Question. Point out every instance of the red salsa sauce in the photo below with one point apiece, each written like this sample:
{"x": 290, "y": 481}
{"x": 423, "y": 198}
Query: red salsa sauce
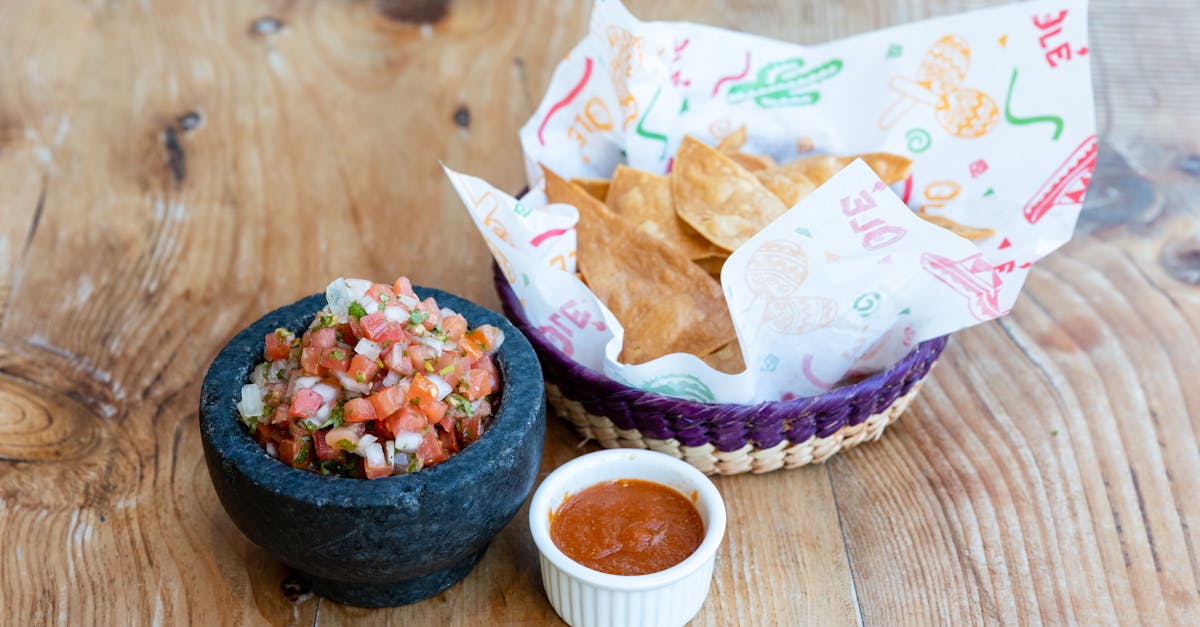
{"x": 627, "y": 527}
{"x": 381, "y": 383}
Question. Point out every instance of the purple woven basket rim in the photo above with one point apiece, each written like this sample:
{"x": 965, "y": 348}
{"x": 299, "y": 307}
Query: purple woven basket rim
{"x": 916, "y": 362}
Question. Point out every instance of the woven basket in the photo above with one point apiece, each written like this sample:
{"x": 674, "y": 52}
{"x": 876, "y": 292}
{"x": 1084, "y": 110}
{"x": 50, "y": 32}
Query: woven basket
{"x": 724, "y": 438}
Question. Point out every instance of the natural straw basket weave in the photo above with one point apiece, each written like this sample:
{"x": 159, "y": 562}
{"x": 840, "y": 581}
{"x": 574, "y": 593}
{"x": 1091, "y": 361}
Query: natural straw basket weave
{"x": 721, "y": 438}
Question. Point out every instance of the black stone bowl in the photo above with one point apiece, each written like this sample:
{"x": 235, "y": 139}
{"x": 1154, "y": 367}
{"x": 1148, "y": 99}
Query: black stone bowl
{"x": 388, "y": 541}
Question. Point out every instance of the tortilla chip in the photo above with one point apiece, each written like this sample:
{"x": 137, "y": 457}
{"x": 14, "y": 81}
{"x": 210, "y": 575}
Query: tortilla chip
{"x": 712, "y": 265}
{"x": 733, "y": 142}
{"x": 961, "y": 230}
{"x": 644, "y": 199}
{"x": 666, "y": 303}
{"x": 820, "y": 168}
{"x": 596, "y": 188}
{"x": 727, "y": 359}
{"x": 751, "y": 162}
{"x": 718, "y": 197}
{"x": 789, "y": 186}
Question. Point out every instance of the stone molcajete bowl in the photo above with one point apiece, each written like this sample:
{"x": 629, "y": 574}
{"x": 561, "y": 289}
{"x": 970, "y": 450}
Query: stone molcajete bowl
{"x": 387, "y": 541}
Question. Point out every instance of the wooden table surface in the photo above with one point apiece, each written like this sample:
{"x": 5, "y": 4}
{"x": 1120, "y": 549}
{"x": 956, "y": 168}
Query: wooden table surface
{"x": 171, "y": 170}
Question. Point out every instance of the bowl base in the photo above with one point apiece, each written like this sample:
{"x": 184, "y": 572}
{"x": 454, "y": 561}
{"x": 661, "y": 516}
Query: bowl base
{"x": 394, "y": 593}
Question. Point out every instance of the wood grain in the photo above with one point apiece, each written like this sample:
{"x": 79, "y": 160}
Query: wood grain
{"x": 171, "y": 170}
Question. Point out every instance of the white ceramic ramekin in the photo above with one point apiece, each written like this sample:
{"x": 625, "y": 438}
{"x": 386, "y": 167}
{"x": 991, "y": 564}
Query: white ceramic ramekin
{"x": 588, "y": 598}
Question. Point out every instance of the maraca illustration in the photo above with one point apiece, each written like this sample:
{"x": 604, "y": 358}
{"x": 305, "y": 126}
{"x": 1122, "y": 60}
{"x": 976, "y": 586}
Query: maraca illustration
{"x": 774, "y": 273}
{"x": 785, "y": 83}
{"x": 963, "y": 111}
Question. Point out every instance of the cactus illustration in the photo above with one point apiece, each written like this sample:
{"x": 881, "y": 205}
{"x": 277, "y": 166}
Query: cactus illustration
{"x": 785, "y": 84}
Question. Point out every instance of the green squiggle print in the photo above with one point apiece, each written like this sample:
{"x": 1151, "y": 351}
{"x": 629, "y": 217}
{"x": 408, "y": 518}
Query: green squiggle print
{"x": 1037, "y": 119}
{"x": 785, "y": 84}
{"x": 641, "y": 130}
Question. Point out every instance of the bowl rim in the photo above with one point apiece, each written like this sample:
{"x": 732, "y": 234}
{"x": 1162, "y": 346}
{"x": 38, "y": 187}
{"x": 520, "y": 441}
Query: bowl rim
{"x": 225, "y": 436}
{"x": 708, "y": 498}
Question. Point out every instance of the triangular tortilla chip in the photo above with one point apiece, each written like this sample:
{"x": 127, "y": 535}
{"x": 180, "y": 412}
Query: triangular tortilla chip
{"x": 727, "y": 359}
{"x": 820, "y": 168}
{"x": 666, "y": 303}
{"x": 959, "y": 229}
{"x": 790, "y": 187}
{"x": 644, "y": 199}
{"x": 733, "y": 142}
{"x": 712, "y": 265}
{"x": 718, "y": 197}
{"x": 596, "y": 188}
{"x": 753, "y": 163}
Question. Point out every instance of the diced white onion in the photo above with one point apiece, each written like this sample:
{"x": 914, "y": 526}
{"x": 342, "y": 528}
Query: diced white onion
{"x": 352, "y": 384}
{"x": 390, "y": 379}
{"x": 323, "y": 412}
{"x": 369, "y": 305}
{"x": 338, "y": 296}
{"x": 251, "y": 405}
{"x": 306, "y": 382}
{"x": 373, "y": 454}
{"x": 368, "y": 349}
{"x": 358, "y": 288}
{"x": 367, "y": 440}
{"x": 326, "y": 391}
{"x": 497, "y": 342}
{"x": 395, "y": 314}
{"x": 272, "y": 450}
{"x": 400, "y": 461}
{"x": 444, "y": 388}
{"x": 446, "y": 313}
{"x": 316, "y": 420}
{"x": 277, "y": 367}
{"x": 434, "y": 343}
{"x": 389, "y": 452}
{"x": 258, "y": 376}
{"x": 408, "y": 442}
{"x": 408, "y": 301}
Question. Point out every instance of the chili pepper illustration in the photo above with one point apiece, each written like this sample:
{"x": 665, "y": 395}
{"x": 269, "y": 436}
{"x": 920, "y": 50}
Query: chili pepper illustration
{"x": 964, "y": 277}
{"x": 785, "y": 84}
{"x": 962, "y": 111}
{"x": 1067, "y": 185}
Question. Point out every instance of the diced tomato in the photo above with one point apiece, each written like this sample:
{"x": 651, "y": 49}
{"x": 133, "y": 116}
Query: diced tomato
{"x": 305, "y": 403}
{"x": 434, "y": 411}
{"x": 455, "y": 327}
{"x": 296, "y": 452}
{"x": 486, "y": 363}
{"x": 472, "y": 347}
{"x": 448, "y": 441}
{"x": 322, "y": 338}
{"x": 336, "y": 358}
{"x": 349, "y": 432}
{"x": 479, "y": 384}
{"x": 382, "y": 294}
{"x": 421, "y": 391}
{"x": 373, "y": 325}
{"x": 375, "y": 472}
{"x": 359, "y": 410}
{"x": 396, "y": 359}
{"x": 280, "y": 416}
{"x": 362, "y": 368}
{"x": 310, "y": 360}
{"x": 394, "y": 332}
{"x": 431, "y": 452}
{"x": 433, "y": 314}
{"x": 279, "y": 346}
{"x": 403, "y": 286}
{"x": 386, "y": 401}
{"x": 418, "y": 354}
{"x": 468, "y": 429}
{"x": 452, "y": 366}
{"x": 405, "y": 420}
{"x": 326, "y": 452}
{"x": 356, "y": 332}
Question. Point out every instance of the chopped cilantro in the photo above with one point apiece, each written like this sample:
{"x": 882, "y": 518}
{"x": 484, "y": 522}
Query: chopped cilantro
{"x": 413, "y": 463}
{"x": 428, "y": 366}
{"x": 357, "y": 310}
{"x": 337, "y": 353}
{"x": 447, "y": 370}
{"x": 415, "y": 401}
{"x": 326, "y": 320}
{"x": 251, "y": 423}
{"x": 345, "y": 445}
{"x": 336, "y": 417}
{"x": 379, "y": 362}
{"x": 417, "y": 316}
{"x": 360, "y": 377}
{"x": 383, "y": 299}
{"x": 281, "y": 374}
{"x": 302, "y": 456}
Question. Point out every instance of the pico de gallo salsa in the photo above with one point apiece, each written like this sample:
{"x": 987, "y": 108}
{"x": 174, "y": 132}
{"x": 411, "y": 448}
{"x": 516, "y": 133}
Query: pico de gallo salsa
{"x": 382, "y": 383}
